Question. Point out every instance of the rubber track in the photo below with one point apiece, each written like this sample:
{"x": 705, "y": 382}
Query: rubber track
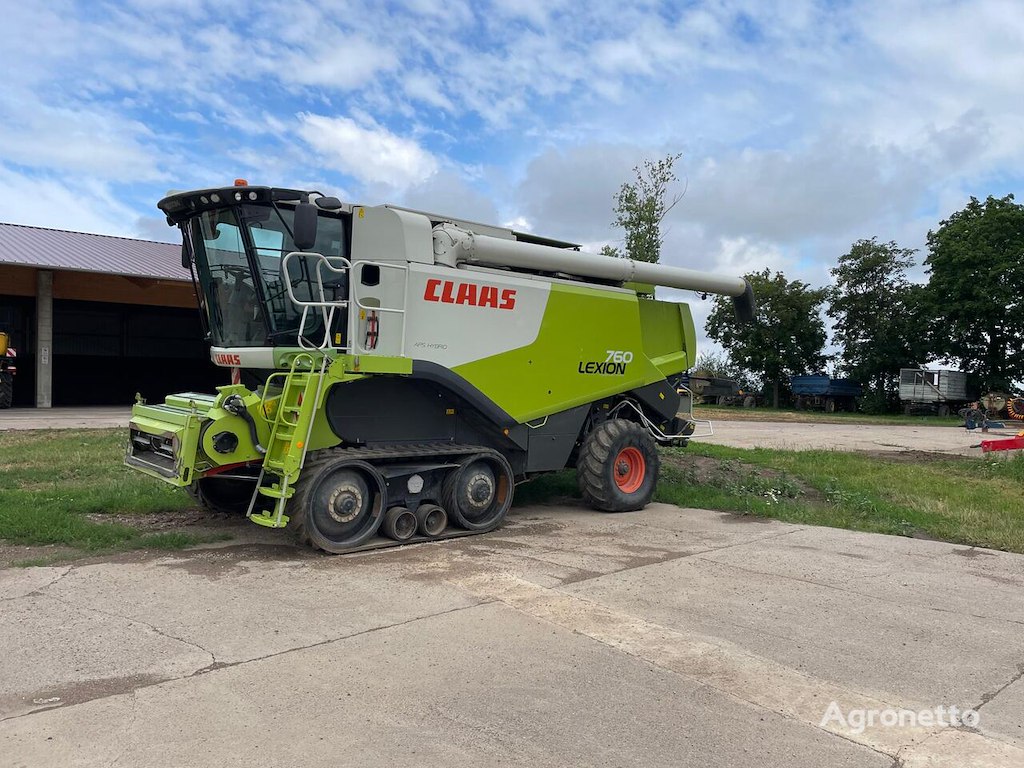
{"x": 385, "y": 454}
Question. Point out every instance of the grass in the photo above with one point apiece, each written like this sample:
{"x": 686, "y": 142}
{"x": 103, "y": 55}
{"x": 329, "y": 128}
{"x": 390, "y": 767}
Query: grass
{"x": 57, "y": 486}
{"x": 733, "y": 413}
{"x": 56, "y": 482}
{"x": 972, "y": 501}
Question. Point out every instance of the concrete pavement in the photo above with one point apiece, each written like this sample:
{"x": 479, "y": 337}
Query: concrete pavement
{"x": 796, "y": 436}
{"x": 96, "y": 417}
{"x": 664, "y": 637}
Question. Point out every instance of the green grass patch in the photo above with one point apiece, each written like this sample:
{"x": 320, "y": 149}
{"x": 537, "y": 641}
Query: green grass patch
{"x": 973, "y": 501}
{"x": 53, "y": 480}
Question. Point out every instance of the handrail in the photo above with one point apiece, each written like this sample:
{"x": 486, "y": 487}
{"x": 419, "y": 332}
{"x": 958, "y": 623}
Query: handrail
{"x": 328, "y": 309}
{"x": 358, "y": 347}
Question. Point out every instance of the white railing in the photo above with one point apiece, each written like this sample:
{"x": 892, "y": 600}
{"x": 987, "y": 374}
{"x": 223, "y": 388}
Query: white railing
{"x": 358, "y": 347}
{"x": 327, "y": 310}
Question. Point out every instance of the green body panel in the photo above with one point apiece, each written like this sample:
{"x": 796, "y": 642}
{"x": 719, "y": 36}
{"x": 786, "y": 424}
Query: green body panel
{"x": 582, "y": 330}
{"x": 670, "y": 340}
{"x": 178, "y": 425}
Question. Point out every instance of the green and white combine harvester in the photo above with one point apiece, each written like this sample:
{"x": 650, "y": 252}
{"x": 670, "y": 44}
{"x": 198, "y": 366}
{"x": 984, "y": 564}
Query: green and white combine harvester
{"x": 398, "y": 372}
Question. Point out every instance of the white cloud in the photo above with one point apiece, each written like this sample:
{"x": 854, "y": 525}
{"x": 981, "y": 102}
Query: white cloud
{"x": 77, "y": 203}
{"x": 343, "y": 62}
{"x": 369, "y": 152}
{"x": 449, "y": 194}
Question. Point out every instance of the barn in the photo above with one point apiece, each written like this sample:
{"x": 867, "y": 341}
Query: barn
{"x": 96, "y": 319}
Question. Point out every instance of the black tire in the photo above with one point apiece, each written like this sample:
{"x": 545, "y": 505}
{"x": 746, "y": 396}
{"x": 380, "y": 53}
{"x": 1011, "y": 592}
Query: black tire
{"x": 618, "y": 467}
{"x": 830, "y": 405}
{"x": 228, "y": 496}
{"x": 338, "y": 504}
{"x": 399, "y": 524}
{"x": 6, "y": 390}
{"x": 799, "y": 405}
{"x": 943, "y": 410}
{"x": 1015, "y": 408}
{"x": 477, "y": 495}
{"x": 431, "y": 520}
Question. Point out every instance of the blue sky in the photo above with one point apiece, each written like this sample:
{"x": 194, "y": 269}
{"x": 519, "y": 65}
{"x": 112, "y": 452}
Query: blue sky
{"x": 803, "y": 125}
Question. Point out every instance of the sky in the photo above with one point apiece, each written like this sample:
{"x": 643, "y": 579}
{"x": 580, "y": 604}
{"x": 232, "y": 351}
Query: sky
{"x": 803, "y": 126}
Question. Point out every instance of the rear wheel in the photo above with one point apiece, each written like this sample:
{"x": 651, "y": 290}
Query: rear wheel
{"x": 339, "y": 504}
{"x": 618, "y": 466}
{"x": 830, "y": 405}
{"x": 6, "y": 390}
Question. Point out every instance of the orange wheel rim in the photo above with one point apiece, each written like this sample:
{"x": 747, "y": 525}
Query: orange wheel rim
{"x": 629, "y": 470}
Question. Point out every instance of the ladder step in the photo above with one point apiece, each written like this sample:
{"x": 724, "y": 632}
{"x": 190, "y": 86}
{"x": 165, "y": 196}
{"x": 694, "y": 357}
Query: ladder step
{"x": 269, "y": 520}
{"x": 275, "y": 492}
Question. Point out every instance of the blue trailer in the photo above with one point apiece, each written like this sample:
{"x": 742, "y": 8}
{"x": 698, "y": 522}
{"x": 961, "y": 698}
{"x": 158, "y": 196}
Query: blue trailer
{"x": 821, "y": 392}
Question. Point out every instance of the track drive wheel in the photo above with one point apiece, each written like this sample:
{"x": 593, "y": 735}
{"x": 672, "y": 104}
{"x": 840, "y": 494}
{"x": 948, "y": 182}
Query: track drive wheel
{"x": 618, "y": 466}
{"x": 478, "y": 493}
{"x": 338, "y": 504}
{"x": 225, "y": 495}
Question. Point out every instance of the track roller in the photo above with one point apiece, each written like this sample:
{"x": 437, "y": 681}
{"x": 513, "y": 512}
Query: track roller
{"x": 399, "y": 524}
{"x": 478, "y": 493}
{"x": 338, "y": 503}
{"x": 431, "y": 520}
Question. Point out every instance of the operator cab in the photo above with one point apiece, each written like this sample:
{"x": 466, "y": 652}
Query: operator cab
{"x": 234, "y": 240}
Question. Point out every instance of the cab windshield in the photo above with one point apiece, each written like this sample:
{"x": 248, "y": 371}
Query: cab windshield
{"x": 238, "y": 253}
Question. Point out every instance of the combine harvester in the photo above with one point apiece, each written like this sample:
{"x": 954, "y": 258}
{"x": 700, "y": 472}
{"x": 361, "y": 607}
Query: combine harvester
{"x": 396, "y": 373}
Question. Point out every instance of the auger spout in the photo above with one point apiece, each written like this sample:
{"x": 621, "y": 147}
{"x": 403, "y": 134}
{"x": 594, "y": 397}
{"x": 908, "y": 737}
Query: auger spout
{"x": 453, "y": 245}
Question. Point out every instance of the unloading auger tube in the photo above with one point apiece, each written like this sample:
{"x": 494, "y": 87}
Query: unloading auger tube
{"x": 397, "y": 373}
{"x": 454, "y": 245}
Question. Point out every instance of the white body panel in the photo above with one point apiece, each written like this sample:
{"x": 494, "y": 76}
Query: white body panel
{"x": 456, "y": 316}
{"x": 242, "y": 357}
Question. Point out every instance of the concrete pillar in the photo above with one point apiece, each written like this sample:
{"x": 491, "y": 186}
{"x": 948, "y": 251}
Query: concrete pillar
{"x": 44, "y": 338}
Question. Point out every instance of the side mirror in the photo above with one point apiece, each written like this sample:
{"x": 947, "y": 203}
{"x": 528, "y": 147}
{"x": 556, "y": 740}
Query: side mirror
{"x": 304, "y": 232}
{"x": 186, "y": 262}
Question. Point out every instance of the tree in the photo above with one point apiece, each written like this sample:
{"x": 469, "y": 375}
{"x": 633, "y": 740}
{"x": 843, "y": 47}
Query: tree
{"x": 877, "y": 316}
{"x": 641, "y": 206}
{"x": 975, "y": 290}
{"x": 787, "y": 336}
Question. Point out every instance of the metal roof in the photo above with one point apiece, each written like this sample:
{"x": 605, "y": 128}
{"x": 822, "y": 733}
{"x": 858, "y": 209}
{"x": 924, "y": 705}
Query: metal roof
{"x": 82, "y": 252}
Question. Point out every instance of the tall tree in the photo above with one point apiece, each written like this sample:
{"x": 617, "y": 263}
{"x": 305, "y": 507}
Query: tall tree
{"x": 877, "y": 316}
{"x": 786, "y": 338}
{"x": 975, "y": 290}
{"x": 641, "y": 206}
